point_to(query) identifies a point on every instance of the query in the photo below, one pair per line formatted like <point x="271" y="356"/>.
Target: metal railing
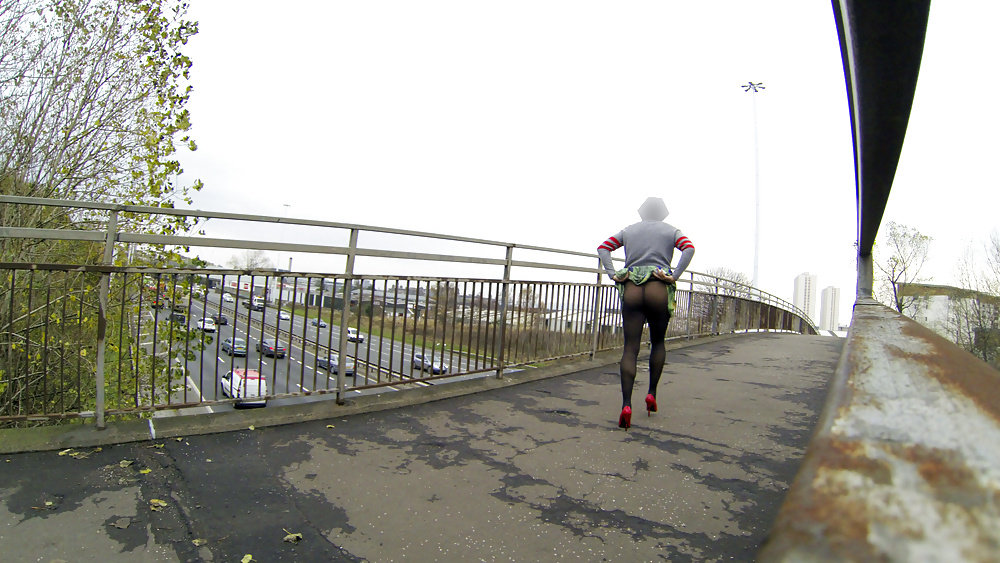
<point x="124" y="337"/>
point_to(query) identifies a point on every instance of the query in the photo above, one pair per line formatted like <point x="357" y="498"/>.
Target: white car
<point x="247" y="386"/>
<point x="207" y="324"/>
<point x="283" y="315"/>
<point x="228" y="298"/>
<point x="354" y="336"/>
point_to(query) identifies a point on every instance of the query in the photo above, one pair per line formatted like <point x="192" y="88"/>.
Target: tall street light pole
<point x="753" y="88"/>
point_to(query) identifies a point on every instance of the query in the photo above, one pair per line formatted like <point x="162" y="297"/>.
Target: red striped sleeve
<point x="611" y="244"/>
<point x="683" y="244"/>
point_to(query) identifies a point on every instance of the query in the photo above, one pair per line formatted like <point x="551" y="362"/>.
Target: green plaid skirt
<point x="642" y="274"/>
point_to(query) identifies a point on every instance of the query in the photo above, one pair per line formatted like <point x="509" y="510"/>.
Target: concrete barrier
<point x="904" y="464"/>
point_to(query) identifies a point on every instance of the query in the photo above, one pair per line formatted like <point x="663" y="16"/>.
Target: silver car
<point x="331" y="364"/>
<point x="429" y="363"/>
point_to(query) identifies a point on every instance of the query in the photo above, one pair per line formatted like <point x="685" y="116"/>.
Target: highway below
<point x="375" y="359"/>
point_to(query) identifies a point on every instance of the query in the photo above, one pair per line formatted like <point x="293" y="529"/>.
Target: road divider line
<point x="196" y="389"/>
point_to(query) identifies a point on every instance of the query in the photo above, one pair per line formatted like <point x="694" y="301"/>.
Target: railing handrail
<point x="180" y="240"/>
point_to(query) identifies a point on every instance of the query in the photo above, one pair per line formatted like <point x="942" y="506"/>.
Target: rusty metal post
<point x="102" y="316"/>
<point x="597" y="298"/>
<point x="690" y="293"/>
<point x="503" y="310"/>
<point x="714" y="309"/>
<point x="345" y="312"/>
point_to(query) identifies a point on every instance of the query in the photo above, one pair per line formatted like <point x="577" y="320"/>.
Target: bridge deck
<point x="537" y="471"/>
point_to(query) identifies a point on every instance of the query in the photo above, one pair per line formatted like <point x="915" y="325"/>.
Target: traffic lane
<point x="293" y="373"/>
<point x="327" y="337"/>
<point x="388" y="354"/>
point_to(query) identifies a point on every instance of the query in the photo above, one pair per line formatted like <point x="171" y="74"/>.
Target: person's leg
<point x="655" y="301"/>
<point x="633" y="320"/>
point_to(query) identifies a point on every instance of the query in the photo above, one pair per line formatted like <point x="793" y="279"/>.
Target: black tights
<point x="642" y="303"/>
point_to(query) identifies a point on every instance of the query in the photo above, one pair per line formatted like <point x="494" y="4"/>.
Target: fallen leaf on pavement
<point x="155" y="446"/>
<point x="124" y="463"/>
<point x="156" y="504"/>
<point x="246" y="558"/>
<point x="179" y="439"/>
<point x="329" y="426"/>
<point x="251" y="427"/>
<point x="66" y="452"/>
<point x="292" y="538"/>
<point x="145" y="471"/>
<point x="199" y="542"/>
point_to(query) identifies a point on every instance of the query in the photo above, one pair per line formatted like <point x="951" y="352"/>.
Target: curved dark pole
<point x="881" y="44"/>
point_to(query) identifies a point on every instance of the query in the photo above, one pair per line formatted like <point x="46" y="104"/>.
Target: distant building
<point x="959" y="315"/>
<point x="829" y="309"/>
<point x="805" y="293"/>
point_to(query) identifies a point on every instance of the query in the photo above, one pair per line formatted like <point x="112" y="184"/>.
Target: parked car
<point x="220" y="319"/>
<point x="179" y="318"/>
<point x="331" y="364"/>
<point x="247" y="386"/>
<point x="319" y="322"/>
<point x="207" y="324"/>
<point x="283" y="315"/>
<point x="354" y="336"/>
<point x="234" y="346"/>
<point x="429" y="363"/>
<point x="269" y="347"/>
<point x="228" y="298"/>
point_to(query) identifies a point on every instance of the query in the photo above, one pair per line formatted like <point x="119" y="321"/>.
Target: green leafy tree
<point x="92" y="108"/>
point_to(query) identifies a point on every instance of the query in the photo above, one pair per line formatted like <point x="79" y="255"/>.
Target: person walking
<point x="647" y="289"/>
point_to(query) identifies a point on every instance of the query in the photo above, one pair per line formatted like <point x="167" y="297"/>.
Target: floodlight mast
<point x="755" y="87"/>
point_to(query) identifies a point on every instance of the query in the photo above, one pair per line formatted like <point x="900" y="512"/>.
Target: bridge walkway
<point x="537" y="471"/>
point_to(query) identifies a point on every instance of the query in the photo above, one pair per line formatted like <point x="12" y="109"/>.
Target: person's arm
<point x="683" y="244"/>
<point x="605" y="250"/>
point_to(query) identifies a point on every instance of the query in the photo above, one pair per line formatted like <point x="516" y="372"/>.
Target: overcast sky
<point x="549" y="122"/>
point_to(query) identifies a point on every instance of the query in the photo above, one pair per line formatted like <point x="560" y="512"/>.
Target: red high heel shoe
<point x="625" y="420"/>
<point x="650" y="404"/>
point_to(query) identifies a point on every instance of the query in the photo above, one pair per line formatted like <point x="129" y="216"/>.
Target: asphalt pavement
<point x="537" y="471"/>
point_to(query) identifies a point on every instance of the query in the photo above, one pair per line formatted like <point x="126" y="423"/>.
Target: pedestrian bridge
<point x="901" y="464"/>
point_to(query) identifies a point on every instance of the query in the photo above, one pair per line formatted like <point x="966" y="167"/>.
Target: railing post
<point x="345" y="312"/>
<point x="102" y="317"/>
<point x="597" y="301"/>
<point x="715" y="306"/>
<point x="503" y="310"/>
<point x="690" y="292"/>
<point x="866" y="276"/>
